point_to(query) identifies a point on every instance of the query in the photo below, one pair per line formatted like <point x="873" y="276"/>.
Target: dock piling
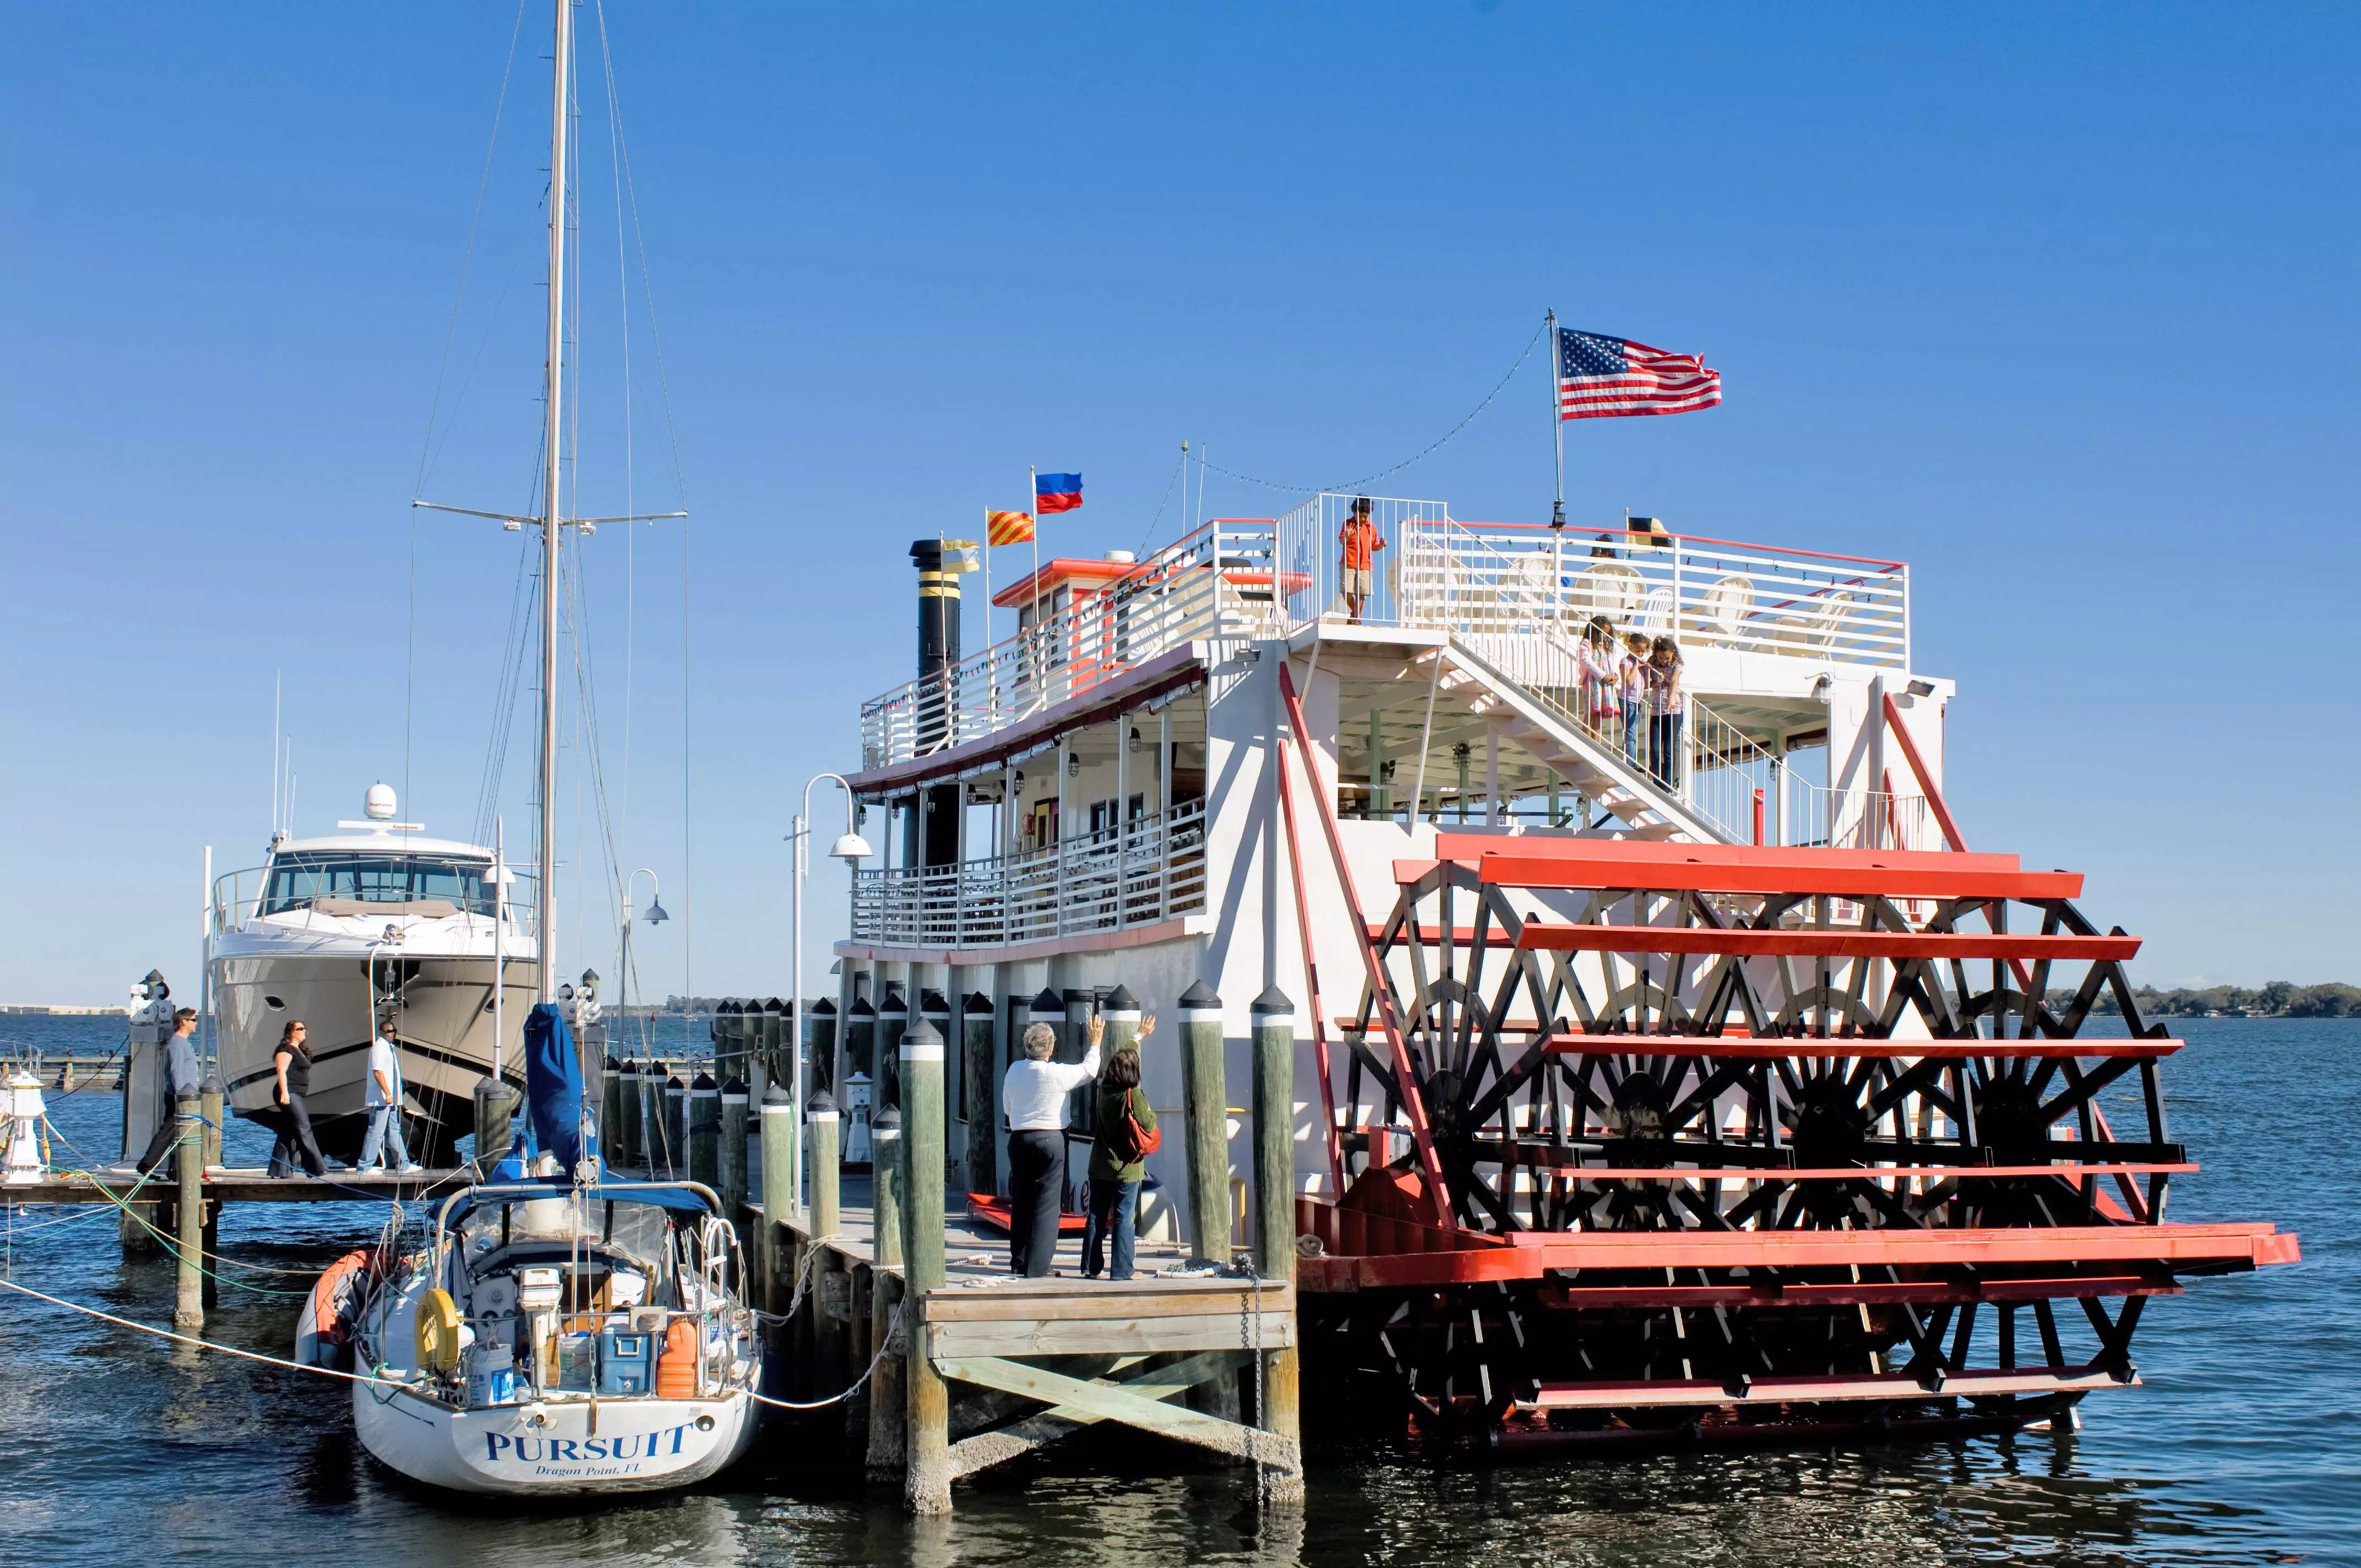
<point x="213" y="1095"/>
<point x="1208" y="1122"/>
<point x="705" y="1130"/>
<point x="734" y="1148"/>
<point x="626" y="1152"/>
<point x="188" y="1160"/>
<point x="819" y="1041"/>
<point x="893" y="1018"/>
<point x="495" y="1112"/>
<point x="1278" y="1410"/>
<point x="611" y="1103"/>
<point x="978" y="1084"/>
<point x="926" y="1487"/>
<point x="885" y="1397"/>
<point x="830" y="1331"/>
<point x="778" y="1192"/>
<point x="675" y="1102"/>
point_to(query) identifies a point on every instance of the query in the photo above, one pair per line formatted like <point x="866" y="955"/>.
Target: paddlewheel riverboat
<point x="1690" y="1081"/>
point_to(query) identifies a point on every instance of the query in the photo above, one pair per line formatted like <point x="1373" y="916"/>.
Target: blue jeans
<point x="1664" y="749"/>
<point x="1633" y="728"/>
<point x="1114" y="1207"/>
<point x="384" y="1124"/>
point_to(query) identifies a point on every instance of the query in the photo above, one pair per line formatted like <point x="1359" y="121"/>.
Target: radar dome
<point x="378" y="803"/>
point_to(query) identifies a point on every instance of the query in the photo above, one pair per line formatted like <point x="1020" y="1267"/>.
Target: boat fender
<point x="439" y="1332"/>
<point x="324" y="1327"/>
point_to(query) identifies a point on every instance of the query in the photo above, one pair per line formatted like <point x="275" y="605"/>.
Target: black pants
<point x="1037" y="1185"/>
<point x="296" y="1138"/>
<point x="160" y="1144"/>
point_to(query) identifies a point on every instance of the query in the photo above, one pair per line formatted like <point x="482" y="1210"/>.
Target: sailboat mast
<point x="544" y="898"/>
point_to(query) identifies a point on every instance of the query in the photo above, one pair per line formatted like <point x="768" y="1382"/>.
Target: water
<point x="2240" y="1449"/>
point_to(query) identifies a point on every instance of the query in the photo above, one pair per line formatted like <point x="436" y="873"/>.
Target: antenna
<point x="275" y="677"/>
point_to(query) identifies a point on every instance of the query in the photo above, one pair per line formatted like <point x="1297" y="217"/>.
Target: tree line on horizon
<point x="2273" y="999"/>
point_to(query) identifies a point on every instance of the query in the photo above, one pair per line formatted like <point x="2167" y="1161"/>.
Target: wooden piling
<point x="610" y="1105"/>
<point x="676" y="1152"/>
<point x="977" y="1084"/>
<point x="926" y="1486"/>
<point x="819" y="1046"/>
<point x="627" y="1151"/>
<point x="773" y="1052"/>
<point x="214" y="1097"/>
<point x="704" y="1131"/>
<point x="496" y="1105"/>
<point x="1206" y="1113"/>
<point x="778" y="1192"/>
<point x="893" y="1019"/>
<point x="734" y="1148"/>
<point x="829" y="1330"/>
<point x="1278" y="1405"/>
<point x="1207" y="1122"/>
<point x="189" y="1161"/>
<point x="885" y="1397"/>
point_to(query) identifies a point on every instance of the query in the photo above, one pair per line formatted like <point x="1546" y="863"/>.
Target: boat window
<point x="297" y="879"/>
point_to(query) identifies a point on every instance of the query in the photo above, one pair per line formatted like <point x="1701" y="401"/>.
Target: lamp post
<point x="852" y="849"/>
<point x="655" y="916"/>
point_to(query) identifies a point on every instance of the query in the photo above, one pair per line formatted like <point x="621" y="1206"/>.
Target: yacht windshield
<point x="297" y="881"/>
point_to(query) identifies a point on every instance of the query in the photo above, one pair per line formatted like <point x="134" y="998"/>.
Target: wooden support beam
<point x="1212" y="1329"/>
<point x="1035" y="1432"/>
<point x="1116" y="1404"/>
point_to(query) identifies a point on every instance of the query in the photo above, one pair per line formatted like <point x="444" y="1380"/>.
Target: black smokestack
<point x="938" y="606"/>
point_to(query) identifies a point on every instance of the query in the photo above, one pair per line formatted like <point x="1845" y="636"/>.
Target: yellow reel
<point x="439" y="1332"/>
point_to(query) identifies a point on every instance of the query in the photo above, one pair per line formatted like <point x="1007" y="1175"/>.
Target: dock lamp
<point x="852" y="849"/>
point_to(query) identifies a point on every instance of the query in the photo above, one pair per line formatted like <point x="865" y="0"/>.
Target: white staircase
<point x="1539" y="713"/>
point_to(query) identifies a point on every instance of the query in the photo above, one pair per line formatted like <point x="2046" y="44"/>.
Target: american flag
<point x="1600" y="377"/>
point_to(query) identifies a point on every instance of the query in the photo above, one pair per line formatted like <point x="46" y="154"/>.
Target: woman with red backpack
<point x="1126" y="1136"/>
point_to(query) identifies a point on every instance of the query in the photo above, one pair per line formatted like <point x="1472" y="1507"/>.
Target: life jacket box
<point x="627" y="1359"/>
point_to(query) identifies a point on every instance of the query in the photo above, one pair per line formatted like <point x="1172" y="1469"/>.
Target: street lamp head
<point x="850" y="847"/>
<point x="655" y="914"/>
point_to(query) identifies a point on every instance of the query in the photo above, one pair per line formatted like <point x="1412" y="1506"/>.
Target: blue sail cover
<point x="553" y="1086"/>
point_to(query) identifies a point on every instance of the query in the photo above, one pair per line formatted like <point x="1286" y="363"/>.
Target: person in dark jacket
<point x="1118" y="1164"/>
<point x="182" y="1077"/>
<point x="291" y="1065"/>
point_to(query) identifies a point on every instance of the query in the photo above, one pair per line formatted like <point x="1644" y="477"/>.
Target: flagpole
<point x="1032" y="504"/>
<point x="1557" y="435"/>
<point x="986" y="553"/>
<point x="1557" y="422"/>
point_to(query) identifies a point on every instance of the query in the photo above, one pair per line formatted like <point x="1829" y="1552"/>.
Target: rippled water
<point x="2241" y="1448"/>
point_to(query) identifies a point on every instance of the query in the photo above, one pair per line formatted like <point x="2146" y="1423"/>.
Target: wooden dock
<point x="1033" y="1361"/>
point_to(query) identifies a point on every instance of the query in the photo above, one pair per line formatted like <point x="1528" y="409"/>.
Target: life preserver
<point x="439" y="1332"/>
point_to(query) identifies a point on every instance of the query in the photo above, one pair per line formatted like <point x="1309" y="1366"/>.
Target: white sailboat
<point x="562" y="1331"/>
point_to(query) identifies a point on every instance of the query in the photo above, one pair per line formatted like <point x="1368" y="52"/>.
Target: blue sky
<point x="2054" y="302"/>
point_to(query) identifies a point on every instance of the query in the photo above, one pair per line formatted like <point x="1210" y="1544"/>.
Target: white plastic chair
<point x="1721" y="613"/>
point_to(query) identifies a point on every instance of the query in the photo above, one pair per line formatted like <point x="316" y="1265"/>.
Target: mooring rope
<point x="198" y="1344"/>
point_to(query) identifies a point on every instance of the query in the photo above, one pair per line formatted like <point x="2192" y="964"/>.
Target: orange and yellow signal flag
<point x="1008" y="527"/>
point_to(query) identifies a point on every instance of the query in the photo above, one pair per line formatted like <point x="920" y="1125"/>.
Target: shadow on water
<point x="125" y="1451"/>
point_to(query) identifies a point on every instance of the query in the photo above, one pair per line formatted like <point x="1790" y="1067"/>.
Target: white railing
<point x="1172" y="596"/>
<point x="1149" y="870"/>
<point x="238" y="897"/>
<point x="1256" y="577"/>
<point x="1704" y="592"/>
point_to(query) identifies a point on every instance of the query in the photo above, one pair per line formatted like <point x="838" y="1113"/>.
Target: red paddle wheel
<point x="1662" y="1143"/>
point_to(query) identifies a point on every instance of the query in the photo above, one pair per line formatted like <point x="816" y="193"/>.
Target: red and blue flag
<point x="1057" y="492"/>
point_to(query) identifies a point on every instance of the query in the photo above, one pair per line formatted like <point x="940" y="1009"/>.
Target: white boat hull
<point x="639" y="1444"/>
<point x="444" y="1027"/>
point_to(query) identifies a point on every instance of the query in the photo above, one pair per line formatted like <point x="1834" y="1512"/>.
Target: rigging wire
<point x="1428" y="451"/>
<point x="466" y="260"/>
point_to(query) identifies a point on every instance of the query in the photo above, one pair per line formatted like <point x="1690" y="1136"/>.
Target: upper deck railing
<point x="1260" y="578"/>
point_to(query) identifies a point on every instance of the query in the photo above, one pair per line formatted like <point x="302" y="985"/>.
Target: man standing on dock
<point x="181" y="1079"/>
<point x="382" y="1096"/>
<point x="1034" y="1095"/>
